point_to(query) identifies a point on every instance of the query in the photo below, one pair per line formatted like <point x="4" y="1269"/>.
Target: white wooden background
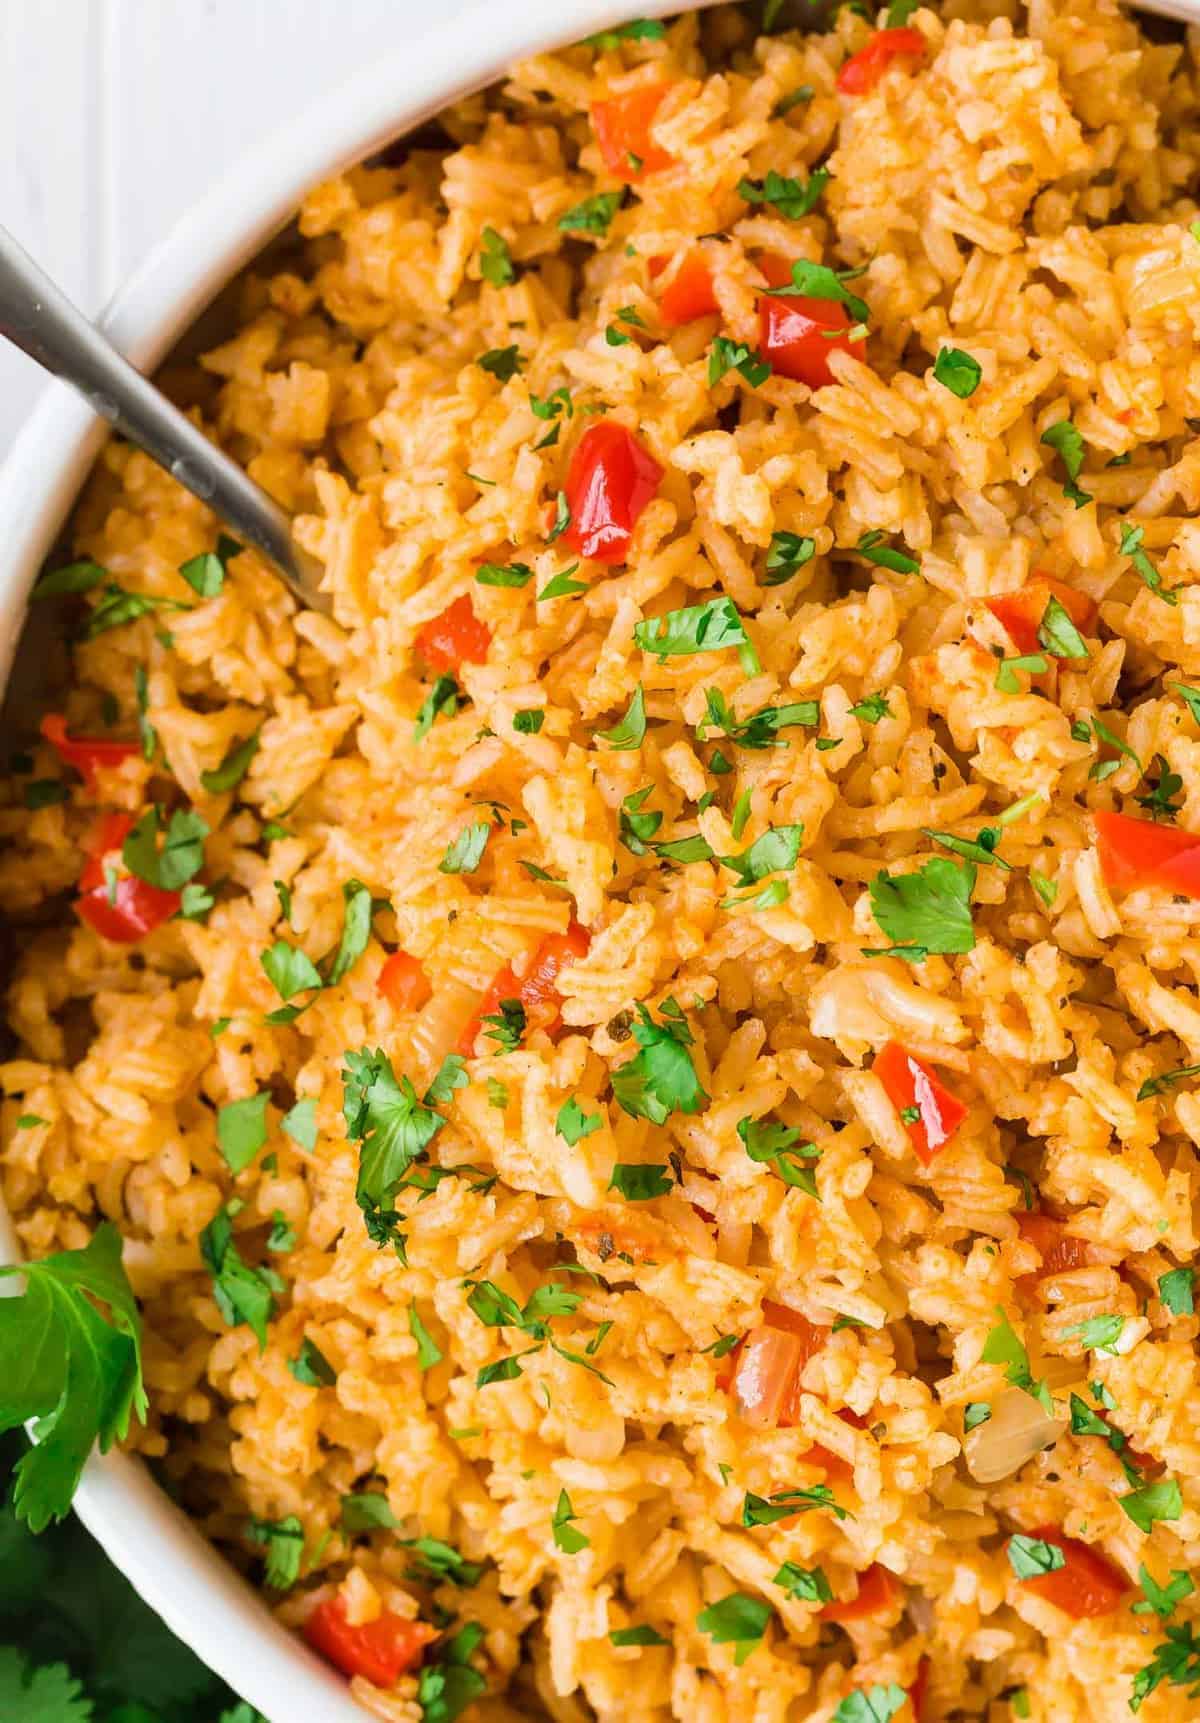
<point x="116" y="114"/>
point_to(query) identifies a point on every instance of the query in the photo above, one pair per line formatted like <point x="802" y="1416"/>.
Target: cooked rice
<point x="1023" y="196"/>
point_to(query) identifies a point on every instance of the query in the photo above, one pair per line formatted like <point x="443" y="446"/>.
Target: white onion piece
<point x="1018" y="1429"/>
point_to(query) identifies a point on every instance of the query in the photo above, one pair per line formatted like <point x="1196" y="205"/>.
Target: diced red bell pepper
<point x="916" y="1693"/>
<point x="862" y="71"/>
<point x="768" y="1363"/>
<point x="912" y="1084"/>
<point x="381" y="1651"/>
<point x="1142" y="852"/>
<point x="455" y="637"/>
<point x="132" y="908"/>
<point x="689" y="293"/>
<point x="1020" y="613"/>
<point x="876" y="1592"/>
<point x="798" y="333"/>
<point x="88" y="754"/>
<point x="610" y="480"/>
<point x="537" y="989"/>
<point x="1060" y="1250"/>
<point x="622" y="127"/>
<point x="403" y="982"/>
<point x="1087" y="1584"/>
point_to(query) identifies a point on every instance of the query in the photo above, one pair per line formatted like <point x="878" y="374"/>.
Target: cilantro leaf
<point x="639" y="1635"/>
<point x="877" y="1704"/>
<point x="1029" y="1557"/>
<point x="872" y="547"/>
<point x="1098" y="1333"/>
<point x="1006" y="681"/>
<point x="1150" y="1503"/>
<point x="816" y="281"/>
<point x="118" y="607"/>
<point x="639" y="1182"/>
<point x="1131" y="546"/>
<point x="242" y="1130"/>
<point x="367" y="1511"/>
<point x="356" y="931"/>
<point x="957" y="371"/>
<point x="78" y="1373"/>
<point x="766" y="1510"/>
<point x="1057" y="634"/>
<point x="726" y="355"/>
<point x="871" y="708"/>
<point x="311" y="1367"/>
<point x="566" y="1538"/>
<point x="772" y="1144"/>
<point x="707" y="627"/>
<point x="441" y="698"/>
<point x="49" y="1694"/>
<point x="1067" y="443"/>
<point x="929" y="909"/>
<point x="442" y="1562"/>
<point x="429" y="1352"/>
<point x="661" y="1078"/>
<point x="639" y="30"/>
<point x="289" y="970"/>
<point x="1003" y="1346"/>
<point x="242" y="1293"/>
<point x="793" y="198"/>
<point x="503" y="363"/>
<point x="72" y="577"/>
<point x="283" y="1544"/>
<point x="1161" y="1599"/>
<point x="300" y="1123"/>
<point x="761" y="729"/>
<point x="446" y="1686"/>
<point x="465" y="853"/>
<point x="630" y="731"/>
<point x="1176" y="1288"/>
<point x="182" y="853"/>
<point x="562" y="586"/>
<point x="786" y="555"/>
<point x="738" y="1620"/>
<point x="507" y="1025"/>
<point x="1167" y="1080"/>
<point x="495" y="259"/>
<point x="775" y="851"/>
<point x="393" y="1129"/>
<point x="1176" y="1660"/>
<point x="594" y="215"/>
<point x="805" y="1584"/>
<point x="573" y="1124"/>
<point x="206" y="573"/>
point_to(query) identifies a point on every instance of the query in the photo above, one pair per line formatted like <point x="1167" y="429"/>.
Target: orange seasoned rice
<point x="671" y="1241"/>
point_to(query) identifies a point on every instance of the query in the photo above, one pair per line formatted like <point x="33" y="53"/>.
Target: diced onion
<point x="1018" y="1429"/>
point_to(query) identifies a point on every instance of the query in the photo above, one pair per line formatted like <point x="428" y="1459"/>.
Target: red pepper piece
<point x="912" y="1084"/>
<point x="129" y="908"/>
<point x="622" y="127"/>
<point x="88" y="754"/>
<point x="610" y="480"/>
<point x="455" y="637"/>
<point x="862" y="71"/>
<point x="381" y="1651"/>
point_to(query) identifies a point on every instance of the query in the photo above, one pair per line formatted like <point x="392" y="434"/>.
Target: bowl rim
<point x="167" y="1559"/>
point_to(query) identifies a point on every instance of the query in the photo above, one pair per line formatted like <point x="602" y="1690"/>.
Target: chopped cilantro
<point x="738" y="1620"/>
<point x="929" y="910"/>
<point x="573" y="1124"/>
<point x="1057" y="634"/>
<point x="1161" y="1599"/>
<point x="495" y="259"/>
<point x="367" y="1511"/>
<point x="562" y="586"/>
<point x="289" y="970"/>
<point x="726" y="355"/>
<point x="793" y="198"/>
<point x="877" y="1704"/>
<point x="639" y="1635"/>
<point x="465" y="853"/>
<point x="1031" y="1557"/>
<point x="872" y="708"/>
<point x="311" y="1367"/>
<point x="1003" y="1346"/>
<point x="393" y="1130"/>
<point x="1150" y="1503"/>
<point x="630" y="731"/>
<point x="502" y="574"/>
<point x="1161" y="803"/>
<point x="1006" y="681"/>
<point x="283" y="1543"/>
<point x="242" y="1130"/>
<point x="1067" y="443"/>
<point x="639" y="30"/>
<point x="661" y="1078"/>
<point x="562" y="1525"/>
<point x="804" y="1584"/>
<point x="503" y="363"/>
<point x="594" y="215"/>
<point x="707" y="627"/>
<point x="640" y="1183"/>
<point x="816" y="281"/>
<point x="872" y="547"/>
<point x="442" y="699"/>
<point x="1168" y="1079"/>
<point x="1176" y="1660"/>
<point x="786" y="555"/>
<point x="778" y="1146"/>
<point x="242" y="1293"/>
<point x="205" y="573"/>
<point x="766" y="1510"/>
<point x="957" y="371"/>
<point x="1131" y="546"/>
<point x="182" y="853"/>
<point x="1177" y="1291"/>
<point x="761" y="729"/>
<point x="1098" y="1333"/>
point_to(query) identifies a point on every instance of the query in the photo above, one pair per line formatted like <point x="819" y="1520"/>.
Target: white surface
<point x="119" y="114"/>
<point x="174" y="1569"/>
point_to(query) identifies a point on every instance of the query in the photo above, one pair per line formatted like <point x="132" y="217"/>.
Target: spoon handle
<point x="38" y="318"/>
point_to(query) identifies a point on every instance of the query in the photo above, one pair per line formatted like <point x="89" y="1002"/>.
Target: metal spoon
<point x="42" y="322"/>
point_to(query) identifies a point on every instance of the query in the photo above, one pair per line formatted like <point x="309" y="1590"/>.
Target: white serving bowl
<point x="175" y="1569"/>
